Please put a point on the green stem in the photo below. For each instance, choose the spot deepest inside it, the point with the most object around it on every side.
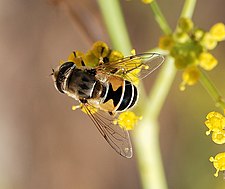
(212, 90)
(115, 24)
(188, 8)
(160, 18)
(146, 135)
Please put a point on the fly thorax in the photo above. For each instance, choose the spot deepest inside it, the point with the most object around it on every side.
(81, 84)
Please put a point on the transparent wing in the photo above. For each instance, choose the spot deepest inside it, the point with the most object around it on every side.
(139, 65)
(117, 137)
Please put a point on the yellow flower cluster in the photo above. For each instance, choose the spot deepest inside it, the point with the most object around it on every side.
(127, 120)
(216, 123)
(190, 46)
(100, 54)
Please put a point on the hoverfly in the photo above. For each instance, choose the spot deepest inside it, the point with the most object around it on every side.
(108, 88)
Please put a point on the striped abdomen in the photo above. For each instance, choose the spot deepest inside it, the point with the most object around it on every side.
(120, 95)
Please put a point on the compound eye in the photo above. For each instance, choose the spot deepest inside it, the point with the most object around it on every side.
(63, 71)
(66, 66)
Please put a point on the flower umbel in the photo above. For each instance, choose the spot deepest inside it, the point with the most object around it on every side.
(218, 162)
(189, 46)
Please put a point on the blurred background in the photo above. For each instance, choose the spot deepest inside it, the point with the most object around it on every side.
(44, 144)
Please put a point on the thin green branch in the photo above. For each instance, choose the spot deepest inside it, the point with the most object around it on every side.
(212, 90)
(115, 24)
(188, 8)
(160, 19)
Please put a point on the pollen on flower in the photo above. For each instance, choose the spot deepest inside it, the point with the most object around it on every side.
(218, 162)
(215, 122)
(218, 137)
(127, 120)
(207, 61)
(218, 31)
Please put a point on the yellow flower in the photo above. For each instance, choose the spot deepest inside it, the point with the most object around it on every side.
(219, 137)
(127, 120)
(218, 31)
(190, 77)
(100, 49)
(115, 55)
(209, 41)
(215, 122)
(166, 42)
(90, 59)
(185, 24)
(218, 162)
(76, 57)
(207, 61)
(147, 1)
(181, 37)
(198, 34)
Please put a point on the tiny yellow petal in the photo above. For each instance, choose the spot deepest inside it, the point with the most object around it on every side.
(166, 42)
(181, 37)
(209, 41)
(185, 24)
(218, 31)
(133, 52)
(115, 55)
(207, 61)
(90, 60)
(190, 75)
(198, 34)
